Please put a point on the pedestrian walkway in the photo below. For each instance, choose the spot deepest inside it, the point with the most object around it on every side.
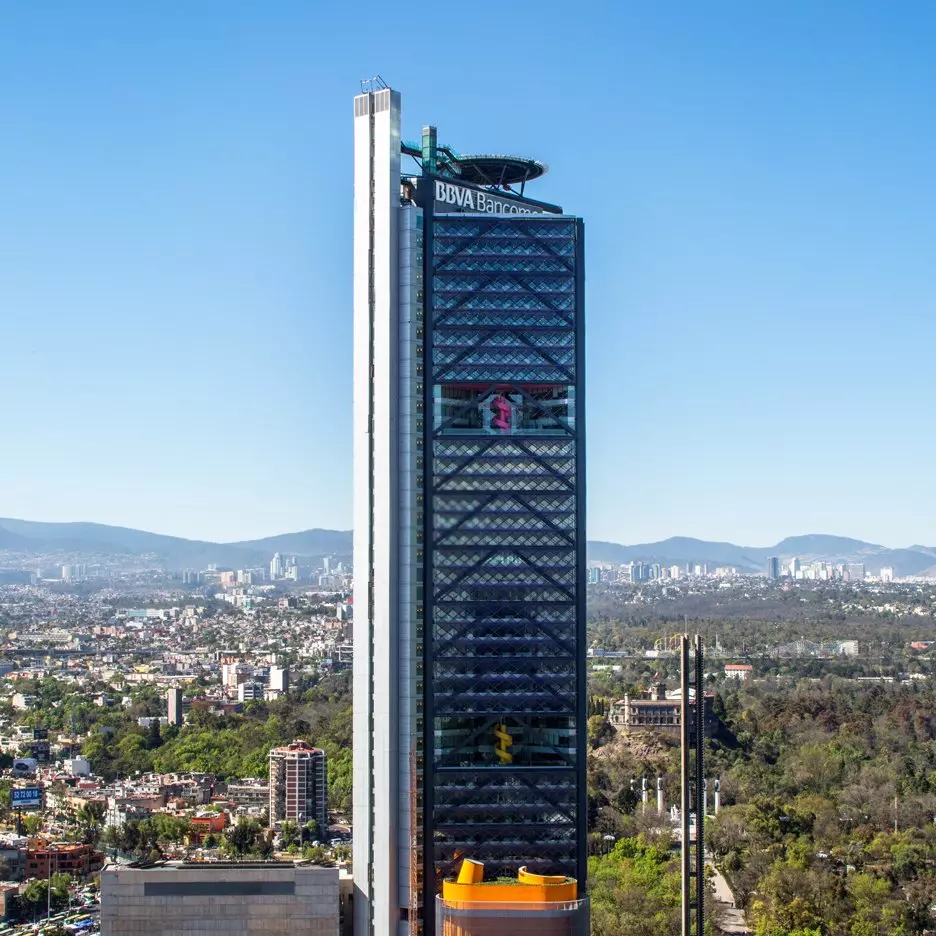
(730, 918)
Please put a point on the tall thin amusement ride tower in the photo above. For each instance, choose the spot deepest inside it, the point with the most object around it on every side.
(469, 541)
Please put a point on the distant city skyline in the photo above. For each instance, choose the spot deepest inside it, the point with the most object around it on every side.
(176, 277)
(76, 552)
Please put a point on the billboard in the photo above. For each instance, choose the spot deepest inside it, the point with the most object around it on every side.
(24, 765)
(26, 798)
(452, 195)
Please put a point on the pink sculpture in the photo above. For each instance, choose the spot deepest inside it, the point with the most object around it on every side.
(501, 413)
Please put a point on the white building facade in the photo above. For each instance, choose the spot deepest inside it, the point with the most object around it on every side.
(385, 248)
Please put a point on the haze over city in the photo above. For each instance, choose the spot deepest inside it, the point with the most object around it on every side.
(758, 197)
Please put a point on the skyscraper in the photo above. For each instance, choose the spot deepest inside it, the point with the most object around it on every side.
(469, 541)
(276, 566)
(773, 568)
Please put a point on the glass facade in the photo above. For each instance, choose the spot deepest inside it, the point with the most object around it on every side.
(504, 779)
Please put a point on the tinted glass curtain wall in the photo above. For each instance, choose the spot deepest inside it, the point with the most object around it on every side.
(504, 533)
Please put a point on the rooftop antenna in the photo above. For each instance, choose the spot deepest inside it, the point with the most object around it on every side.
(370, 85)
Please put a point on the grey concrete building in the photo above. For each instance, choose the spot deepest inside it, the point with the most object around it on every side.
(249, 793)
(13, 852)
(175, 706)
(276, 898)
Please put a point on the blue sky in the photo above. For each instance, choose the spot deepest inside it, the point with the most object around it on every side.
(757, 182)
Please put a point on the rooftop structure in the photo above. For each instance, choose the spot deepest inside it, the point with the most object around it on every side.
(534, 904)
(276, 898)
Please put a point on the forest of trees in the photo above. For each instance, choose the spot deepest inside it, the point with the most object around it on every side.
(828, 782)
(831, 793)
(634, 889)
(828, 806)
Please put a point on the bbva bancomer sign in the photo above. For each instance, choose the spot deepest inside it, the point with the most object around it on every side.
(469, 199)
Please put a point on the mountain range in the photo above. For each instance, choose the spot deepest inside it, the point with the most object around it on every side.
(813, 547)
(87, 540)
